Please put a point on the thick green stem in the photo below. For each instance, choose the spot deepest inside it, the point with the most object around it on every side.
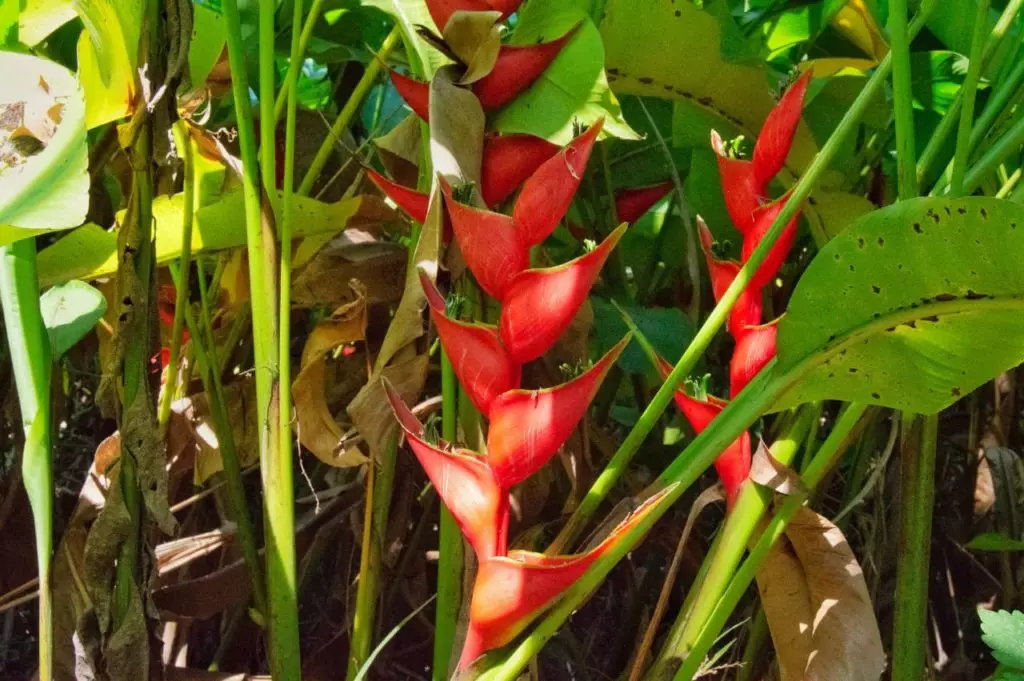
(969, 90)
(801, 190)
(903, 100)
(917, 499)
(450, 554)
(344, 118)
(31, 364)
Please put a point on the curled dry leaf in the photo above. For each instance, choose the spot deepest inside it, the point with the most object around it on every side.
(818, 607)
(240, 399)
(768, 471)
(475, 40)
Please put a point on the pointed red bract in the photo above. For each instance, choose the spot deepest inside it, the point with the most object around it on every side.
(510, 592)
(506, 7)
(463, 482)
(733, 464)
(508, 161)
(442, 10)
(747, 311)
(414, 203)
(515, 70)
(755, 347)
(529, 426)
(540, 304)
(546, 196)
(763, 219)
(489, 243)
(776, 136)
(739, 186)
(631, 204)
(416, 94)
(481, 363)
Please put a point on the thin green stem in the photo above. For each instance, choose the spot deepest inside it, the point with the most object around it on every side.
(344, 118)
(801, 190)
(268, 122)
(1007, 145)
(31, 364)
(969, 90)
(917, 499)
(996, 104)
(296, 57)
(450, 555)
(903, 99)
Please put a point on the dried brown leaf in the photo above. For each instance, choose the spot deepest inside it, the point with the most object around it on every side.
(474, 38)
(378, 266)
(769, 472)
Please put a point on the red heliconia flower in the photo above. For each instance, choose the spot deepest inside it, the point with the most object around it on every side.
(481, 363)
(631, 204)
(529, 426)
(515, 70)
(540, 304)
(508, 161)
(776, 136)
(747, 311)
(739, 186)
(755, 347)
(511, 591)
(547, 194)
(416, 93)
(414, 203)
(490, 244)
(463, 482)
(442, 10)
(763, 218)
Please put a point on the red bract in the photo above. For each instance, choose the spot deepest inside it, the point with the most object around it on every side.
(763, 219)
(732, 465)
(741, 191)
(463, 482)
(755, 347)
(414, 203)
(442, 10)
(776, 137)
(631, 204)
(747, 311)
(540, 304)
(481, 363)
(508, 161)
(511, 591)
(515, 70)
(416, 94)
(529, 426)
(547, 194)
(490, 244)
(506, 7)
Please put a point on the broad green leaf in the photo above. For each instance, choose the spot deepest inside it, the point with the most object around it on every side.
(50, 189)
(69, 312)
(40, 18)
(207, 44)
(573, 89)
(667, 329)
(9, 12)
(994, 541)
(90, 251)
(911, 307)
(409, 14)
(1003, 632)
(952, 23)
(107, 57)
(674, 49)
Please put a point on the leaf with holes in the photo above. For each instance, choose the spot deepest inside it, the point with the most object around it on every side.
(911, 307)
(69, 313)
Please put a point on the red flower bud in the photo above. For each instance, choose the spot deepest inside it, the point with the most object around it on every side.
(442, 10)
(777, 134)
(463, 482)
(739, 186)
(528, 426)
(511, 591)
(515, 70)
(416, 94)
(481, 363)
(540, 304)
(747, 311)
(508, 161)
(763, 219)
(631, 204)
(755, 347)
(546, 196)
(414, 203)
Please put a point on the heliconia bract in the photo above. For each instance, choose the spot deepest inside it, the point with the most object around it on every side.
(632, 203)
(416, 93)
(414, 203)
(529, 426)
(747, 311)
(508, 161)
(442, 10)
(515, 70)
(755, 347)
(776, 136)
(763, 218)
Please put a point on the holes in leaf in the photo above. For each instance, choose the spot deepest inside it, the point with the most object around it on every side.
(881, 242)
(861, 243)
(876, 396)
(875, 289)
(984, 214)
(945, 298)
(917, 228)
(955, 392)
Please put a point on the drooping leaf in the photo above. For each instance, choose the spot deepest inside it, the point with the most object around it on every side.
(50, 189)
(108, 57)
(1004, 634)
(69, 312)
(40, 18)
(911, 307)
(207, 42)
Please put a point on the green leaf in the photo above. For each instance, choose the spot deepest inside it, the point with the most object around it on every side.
(1003, 632)
(994, 541)
(69, 312)
(9, 12)
(47, 190)
(937, 77)
(409, 14)
(573, 88)
(667, 329)
(40, 18)
(208, 39)
(107, 57)
(911, 307)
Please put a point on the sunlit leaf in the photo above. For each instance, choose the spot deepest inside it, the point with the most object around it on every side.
(69, 312)
(108, 57)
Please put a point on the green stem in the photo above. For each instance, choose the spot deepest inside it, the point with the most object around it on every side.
(31, 364)
(969, 90)
(996, 154)
(296, 56)
(268, 122)
(801, 190)
(903, 99)
(917, 498)
(450, 555)
(344, 118)
(996, 104)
